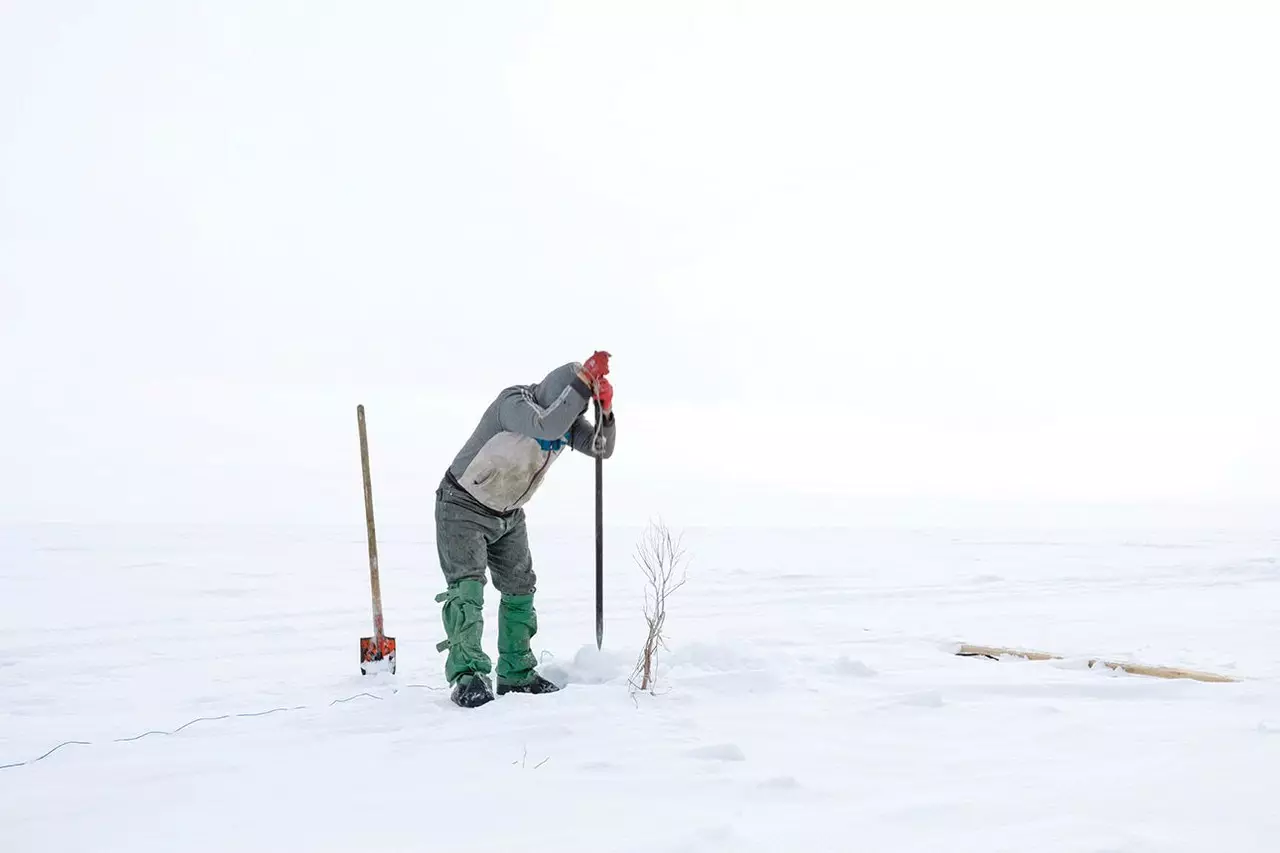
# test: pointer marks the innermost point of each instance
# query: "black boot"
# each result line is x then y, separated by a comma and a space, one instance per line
538, 685
471, 691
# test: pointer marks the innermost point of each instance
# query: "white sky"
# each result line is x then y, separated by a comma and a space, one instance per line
839, 255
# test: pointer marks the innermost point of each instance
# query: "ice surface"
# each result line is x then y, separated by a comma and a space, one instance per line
807, 701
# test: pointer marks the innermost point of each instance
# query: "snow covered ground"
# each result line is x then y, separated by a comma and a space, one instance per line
809, 699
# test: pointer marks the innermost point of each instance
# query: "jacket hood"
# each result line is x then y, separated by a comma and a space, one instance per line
553, 384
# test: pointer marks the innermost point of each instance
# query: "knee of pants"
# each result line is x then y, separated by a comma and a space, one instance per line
523, 582
462, 552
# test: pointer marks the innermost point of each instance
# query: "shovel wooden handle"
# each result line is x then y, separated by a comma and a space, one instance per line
374, 583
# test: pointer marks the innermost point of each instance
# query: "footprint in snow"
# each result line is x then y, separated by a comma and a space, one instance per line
719, 837
719, 752
781, 783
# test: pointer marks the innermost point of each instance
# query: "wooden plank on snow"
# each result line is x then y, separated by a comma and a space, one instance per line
997, 652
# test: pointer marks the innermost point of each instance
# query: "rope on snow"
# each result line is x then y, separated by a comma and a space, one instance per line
31, 761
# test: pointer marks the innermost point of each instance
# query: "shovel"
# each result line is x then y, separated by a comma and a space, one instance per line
377, 653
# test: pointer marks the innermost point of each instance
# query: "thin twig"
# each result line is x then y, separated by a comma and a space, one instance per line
659, 556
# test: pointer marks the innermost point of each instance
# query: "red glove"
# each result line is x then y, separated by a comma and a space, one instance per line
605, 395
596, 367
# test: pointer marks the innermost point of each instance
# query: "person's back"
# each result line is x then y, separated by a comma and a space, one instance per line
480, 520
521, 433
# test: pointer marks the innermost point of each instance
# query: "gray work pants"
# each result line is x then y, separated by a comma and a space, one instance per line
470, 538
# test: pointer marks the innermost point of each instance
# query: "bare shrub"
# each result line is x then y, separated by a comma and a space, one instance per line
660, 557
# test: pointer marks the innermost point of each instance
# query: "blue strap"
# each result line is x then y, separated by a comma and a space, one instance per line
553, 445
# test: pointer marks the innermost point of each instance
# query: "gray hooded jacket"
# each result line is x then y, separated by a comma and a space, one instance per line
522, 432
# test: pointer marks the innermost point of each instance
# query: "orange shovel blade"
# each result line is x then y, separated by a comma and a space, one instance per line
374, 659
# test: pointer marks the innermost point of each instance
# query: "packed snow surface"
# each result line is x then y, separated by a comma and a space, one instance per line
205, 685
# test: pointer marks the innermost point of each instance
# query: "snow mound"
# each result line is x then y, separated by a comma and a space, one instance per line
845, 665
924, 699
589, 666
714, 657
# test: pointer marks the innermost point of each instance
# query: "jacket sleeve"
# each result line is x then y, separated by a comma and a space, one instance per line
584, 430
519, 412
